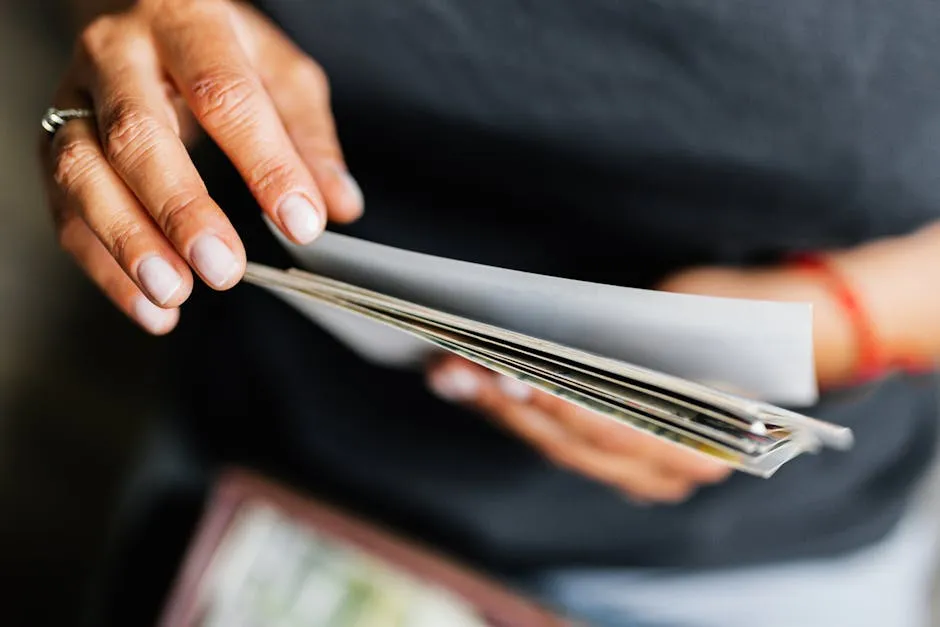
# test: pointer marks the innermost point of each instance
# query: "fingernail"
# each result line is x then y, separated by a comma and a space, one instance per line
514, 388
214, 260
153, 318
300, 218
159, 279
455, 384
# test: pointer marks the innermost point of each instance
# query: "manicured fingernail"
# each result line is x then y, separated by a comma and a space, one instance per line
455, 384
159, 279
214, 260
514, 388
153, 318
300, 218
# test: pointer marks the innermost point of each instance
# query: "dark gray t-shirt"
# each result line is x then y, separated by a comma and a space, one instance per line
603, 140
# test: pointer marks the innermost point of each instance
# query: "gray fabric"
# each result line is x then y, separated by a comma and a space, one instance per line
604, 140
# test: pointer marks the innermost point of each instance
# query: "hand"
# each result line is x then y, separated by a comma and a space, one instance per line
833, 338
895, 280
126, 199
644, 467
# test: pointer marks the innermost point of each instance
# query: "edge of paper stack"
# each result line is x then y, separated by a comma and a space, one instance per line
752, 436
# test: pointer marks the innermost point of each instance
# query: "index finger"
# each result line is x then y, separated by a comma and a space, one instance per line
207, 59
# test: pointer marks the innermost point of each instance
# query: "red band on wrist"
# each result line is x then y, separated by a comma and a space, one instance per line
872, 361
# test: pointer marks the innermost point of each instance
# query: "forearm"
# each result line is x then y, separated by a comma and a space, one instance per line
898, 282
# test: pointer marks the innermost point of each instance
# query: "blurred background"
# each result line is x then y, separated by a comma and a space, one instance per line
76, 378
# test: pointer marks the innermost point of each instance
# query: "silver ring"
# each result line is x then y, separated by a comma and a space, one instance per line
54, 118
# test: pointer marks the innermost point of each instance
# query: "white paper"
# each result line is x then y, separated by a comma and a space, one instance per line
374, 341
760, 349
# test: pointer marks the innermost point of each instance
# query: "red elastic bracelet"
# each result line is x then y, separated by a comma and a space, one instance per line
872, 361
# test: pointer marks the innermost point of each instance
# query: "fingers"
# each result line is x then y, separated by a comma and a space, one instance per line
637, 477
93, 258
626, 440
138, 133
644, 467
640, 477
88, 188
301, 95
139, 217
206, 59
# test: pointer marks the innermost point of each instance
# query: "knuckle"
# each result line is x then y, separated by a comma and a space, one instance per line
99, 35
127, 133
270, 174
73, 162
176, 214
112, 39
121, 237
222, 97
306, 71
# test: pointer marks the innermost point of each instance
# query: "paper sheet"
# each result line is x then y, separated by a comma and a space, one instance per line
756, 348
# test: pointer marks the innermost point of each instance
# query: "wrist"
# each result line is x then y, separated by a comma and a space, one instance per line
884, 294
896, 282
837, 349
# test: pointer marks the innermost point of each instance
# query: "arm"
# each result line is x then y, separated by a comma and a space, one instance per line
896, 281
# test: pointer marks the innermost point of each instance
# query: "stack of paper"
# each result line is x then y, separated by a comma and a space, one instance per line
362, 291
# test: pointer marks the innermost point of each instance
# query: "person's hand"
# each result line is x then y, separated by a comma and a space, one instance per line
645, 468
126, 199
894, 279
833, 336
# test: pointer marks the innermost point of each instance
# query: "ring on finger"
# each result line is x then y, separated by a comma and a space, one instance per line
54, 119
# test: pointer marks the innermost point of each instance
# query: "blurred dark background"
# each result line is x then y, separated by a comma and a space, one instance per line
78, 383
